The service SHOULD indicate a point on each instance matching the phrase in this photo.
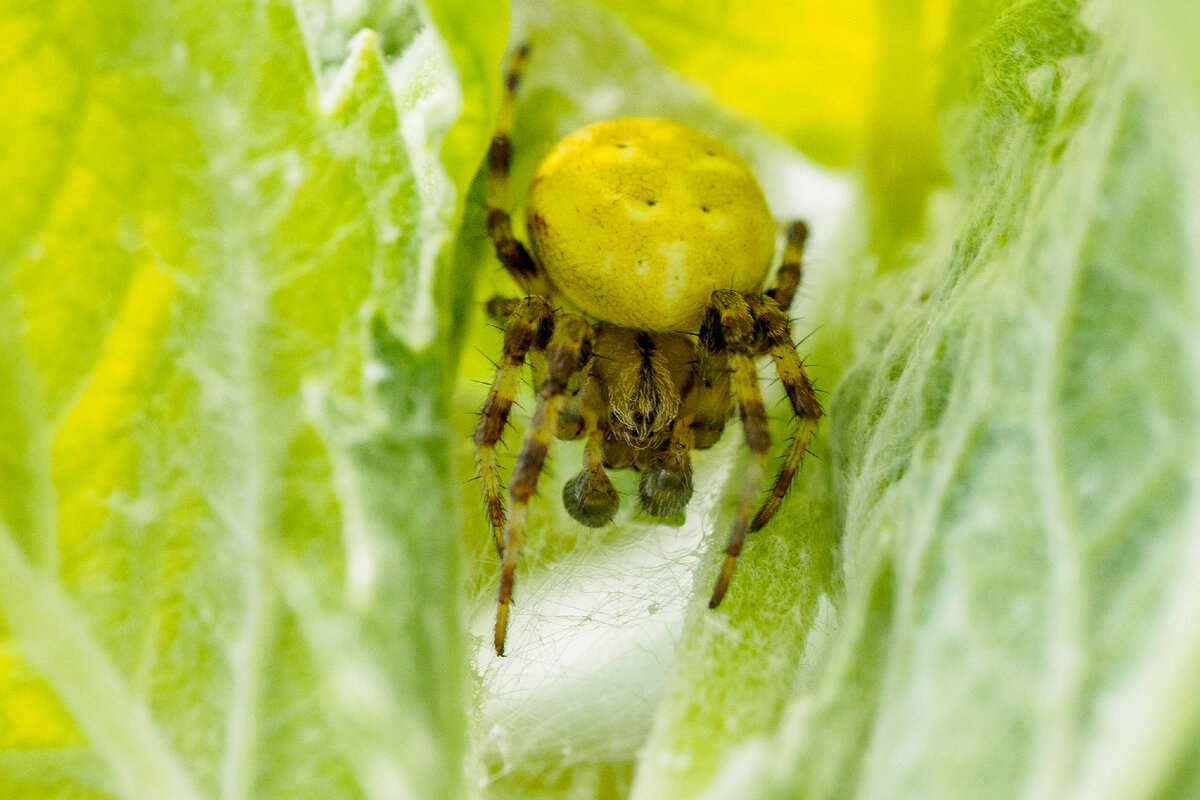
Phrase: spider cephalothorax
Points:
(657, 239)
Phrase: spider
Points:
(657, 240)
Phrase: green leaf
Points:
(238, 300)
(1014, 448)
(227, 549)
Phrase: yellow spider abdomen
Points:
(637, 221)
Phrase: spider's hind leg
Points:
(787, 280)
(509, 250)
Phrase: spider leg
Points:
(509, 250)
(788, 277)
(729, 326)
(712, 398)
(568, 352)
(529, 326)
(777, 340)
(501, 308)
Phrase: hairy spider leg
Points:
(529, 326)
(776, 334)
(509, 250)
(789, 275)
(729, 326)
(712, 408)
(568, 353)
(501, 308)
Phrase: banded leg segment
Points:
(777, 340)
(788, 278)
(509, 250)
(529, 326)
(568, 352)
(729, 326)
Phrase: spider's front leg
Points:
(770, 314)
(530, 324)
(568, 353)
(728, 328)
(777, 340)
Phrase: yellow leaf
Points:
(805, 69)
(30, 714)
